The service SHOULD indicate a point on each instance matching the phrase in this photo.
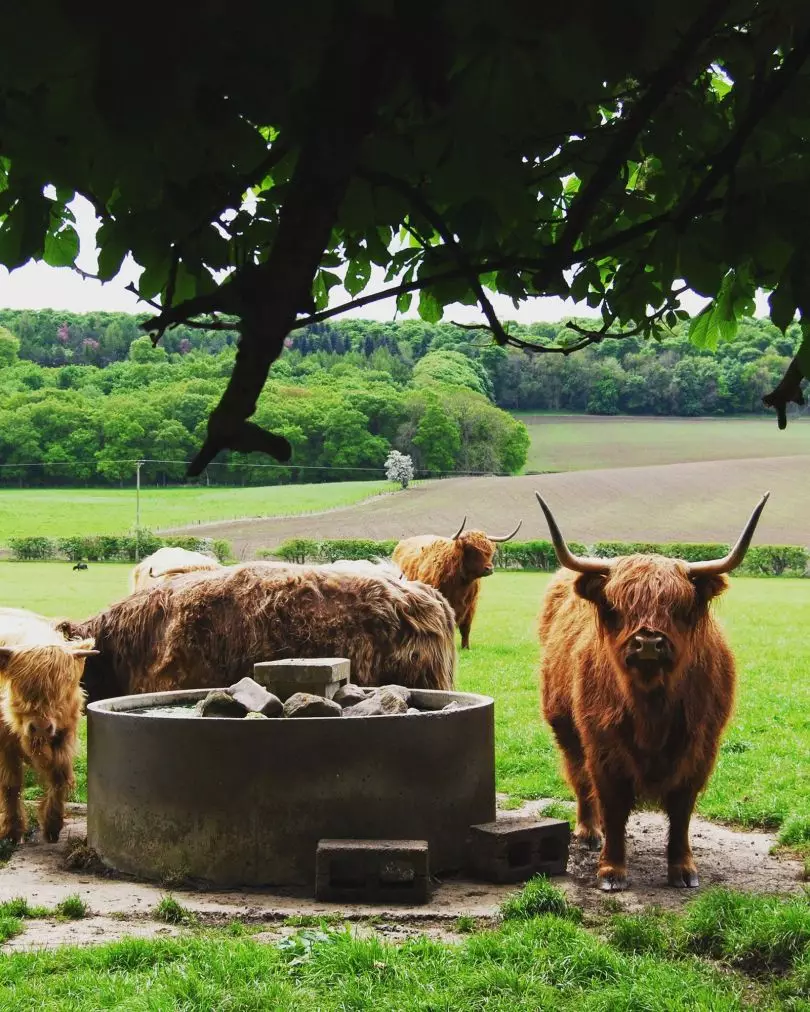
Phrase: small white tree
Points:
(399, 467)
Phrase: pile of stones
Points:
(317, 687)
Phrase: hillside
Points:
(705, 501)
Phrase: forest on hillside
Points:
(85, 395)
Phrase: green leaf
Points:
(324, 282)
(61, 248)
(404, 300)
(430, 309)
(782, 305)
(154, 278)
(112, 250)
(358, 274)
(803, 353)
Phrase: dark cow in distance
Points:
(638, 684)
(208, 628)
(454, 566)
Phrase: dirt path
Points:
(120, 907)
(706, 501)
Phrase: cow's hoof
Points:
(588, 837)
(680, 877)
(612, 881)
(51, 828)
(13, 834)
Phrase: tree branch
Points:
(788, 391)
(436, 221)
(628, 131)
(762, 101)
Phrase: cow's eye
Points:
(611, 617)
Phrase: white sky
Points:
(38, 286)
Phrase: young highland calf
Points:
(454, 566)
(166, 562)
(208, 629)
(638, 684)
(40, 705)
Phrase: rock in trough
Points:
(304, 704)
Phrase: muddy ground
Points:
(119, 906)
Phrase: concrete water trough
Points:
(230, 802)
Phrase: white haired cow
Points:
(40, 705)
(166, 562)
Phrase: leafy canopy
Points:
(618, 154)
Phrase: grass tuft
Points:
(538, 897)
(759, 934)
(20, 907)
(171, 912)
(562, 810)
(647, 932)
(466, 924)
(72, 908)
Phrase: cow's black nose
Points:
(648, 646)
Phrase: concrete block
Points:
(512, 850)
(319, 676)
(372, 871)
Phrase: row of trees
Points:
(630, 376)
(83, 424)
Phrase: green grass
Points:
(544, 963)
(72, 908)
(582, 442)
(64, 512)
(539, 896)
(171, 912)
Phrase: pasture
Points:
(586, 442)
(56, 512)
(763, 776)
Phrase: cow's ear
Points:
(708, 587)
(591, 586)
(6, 653)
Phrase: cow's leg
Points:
(12, 816)
(587, 827)
(57, 777)
(616, 799)
(464, 629)
(681, 872)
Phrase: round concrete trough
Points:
(230, 802)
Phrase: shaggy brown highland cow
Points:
(638, 683)
(208, 629)
(454, 566)
(40, 706)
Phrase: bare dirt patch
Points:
(706, 501)
(121, 907)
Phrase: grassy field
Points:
(585, 442)
(63, 512)
(763, 776)
(726, 954)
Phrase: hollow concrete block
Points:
(372, 871)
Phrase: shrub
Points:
(30, 549)
(110, 548)
(399, 468)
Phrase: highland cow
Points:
(638, 684)
(454, 566)
(208, 629)
(40, 705)
(166, 562)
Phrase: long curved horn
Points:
(458, 532)
(507, 537)
(564, 554)
(715, 567)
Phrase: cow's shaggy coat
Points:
(40, 706)
(638, 684)
(209, 629)
(454, 566)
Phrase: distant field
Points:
(62, 512)
(582, 442)
(705, 501)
